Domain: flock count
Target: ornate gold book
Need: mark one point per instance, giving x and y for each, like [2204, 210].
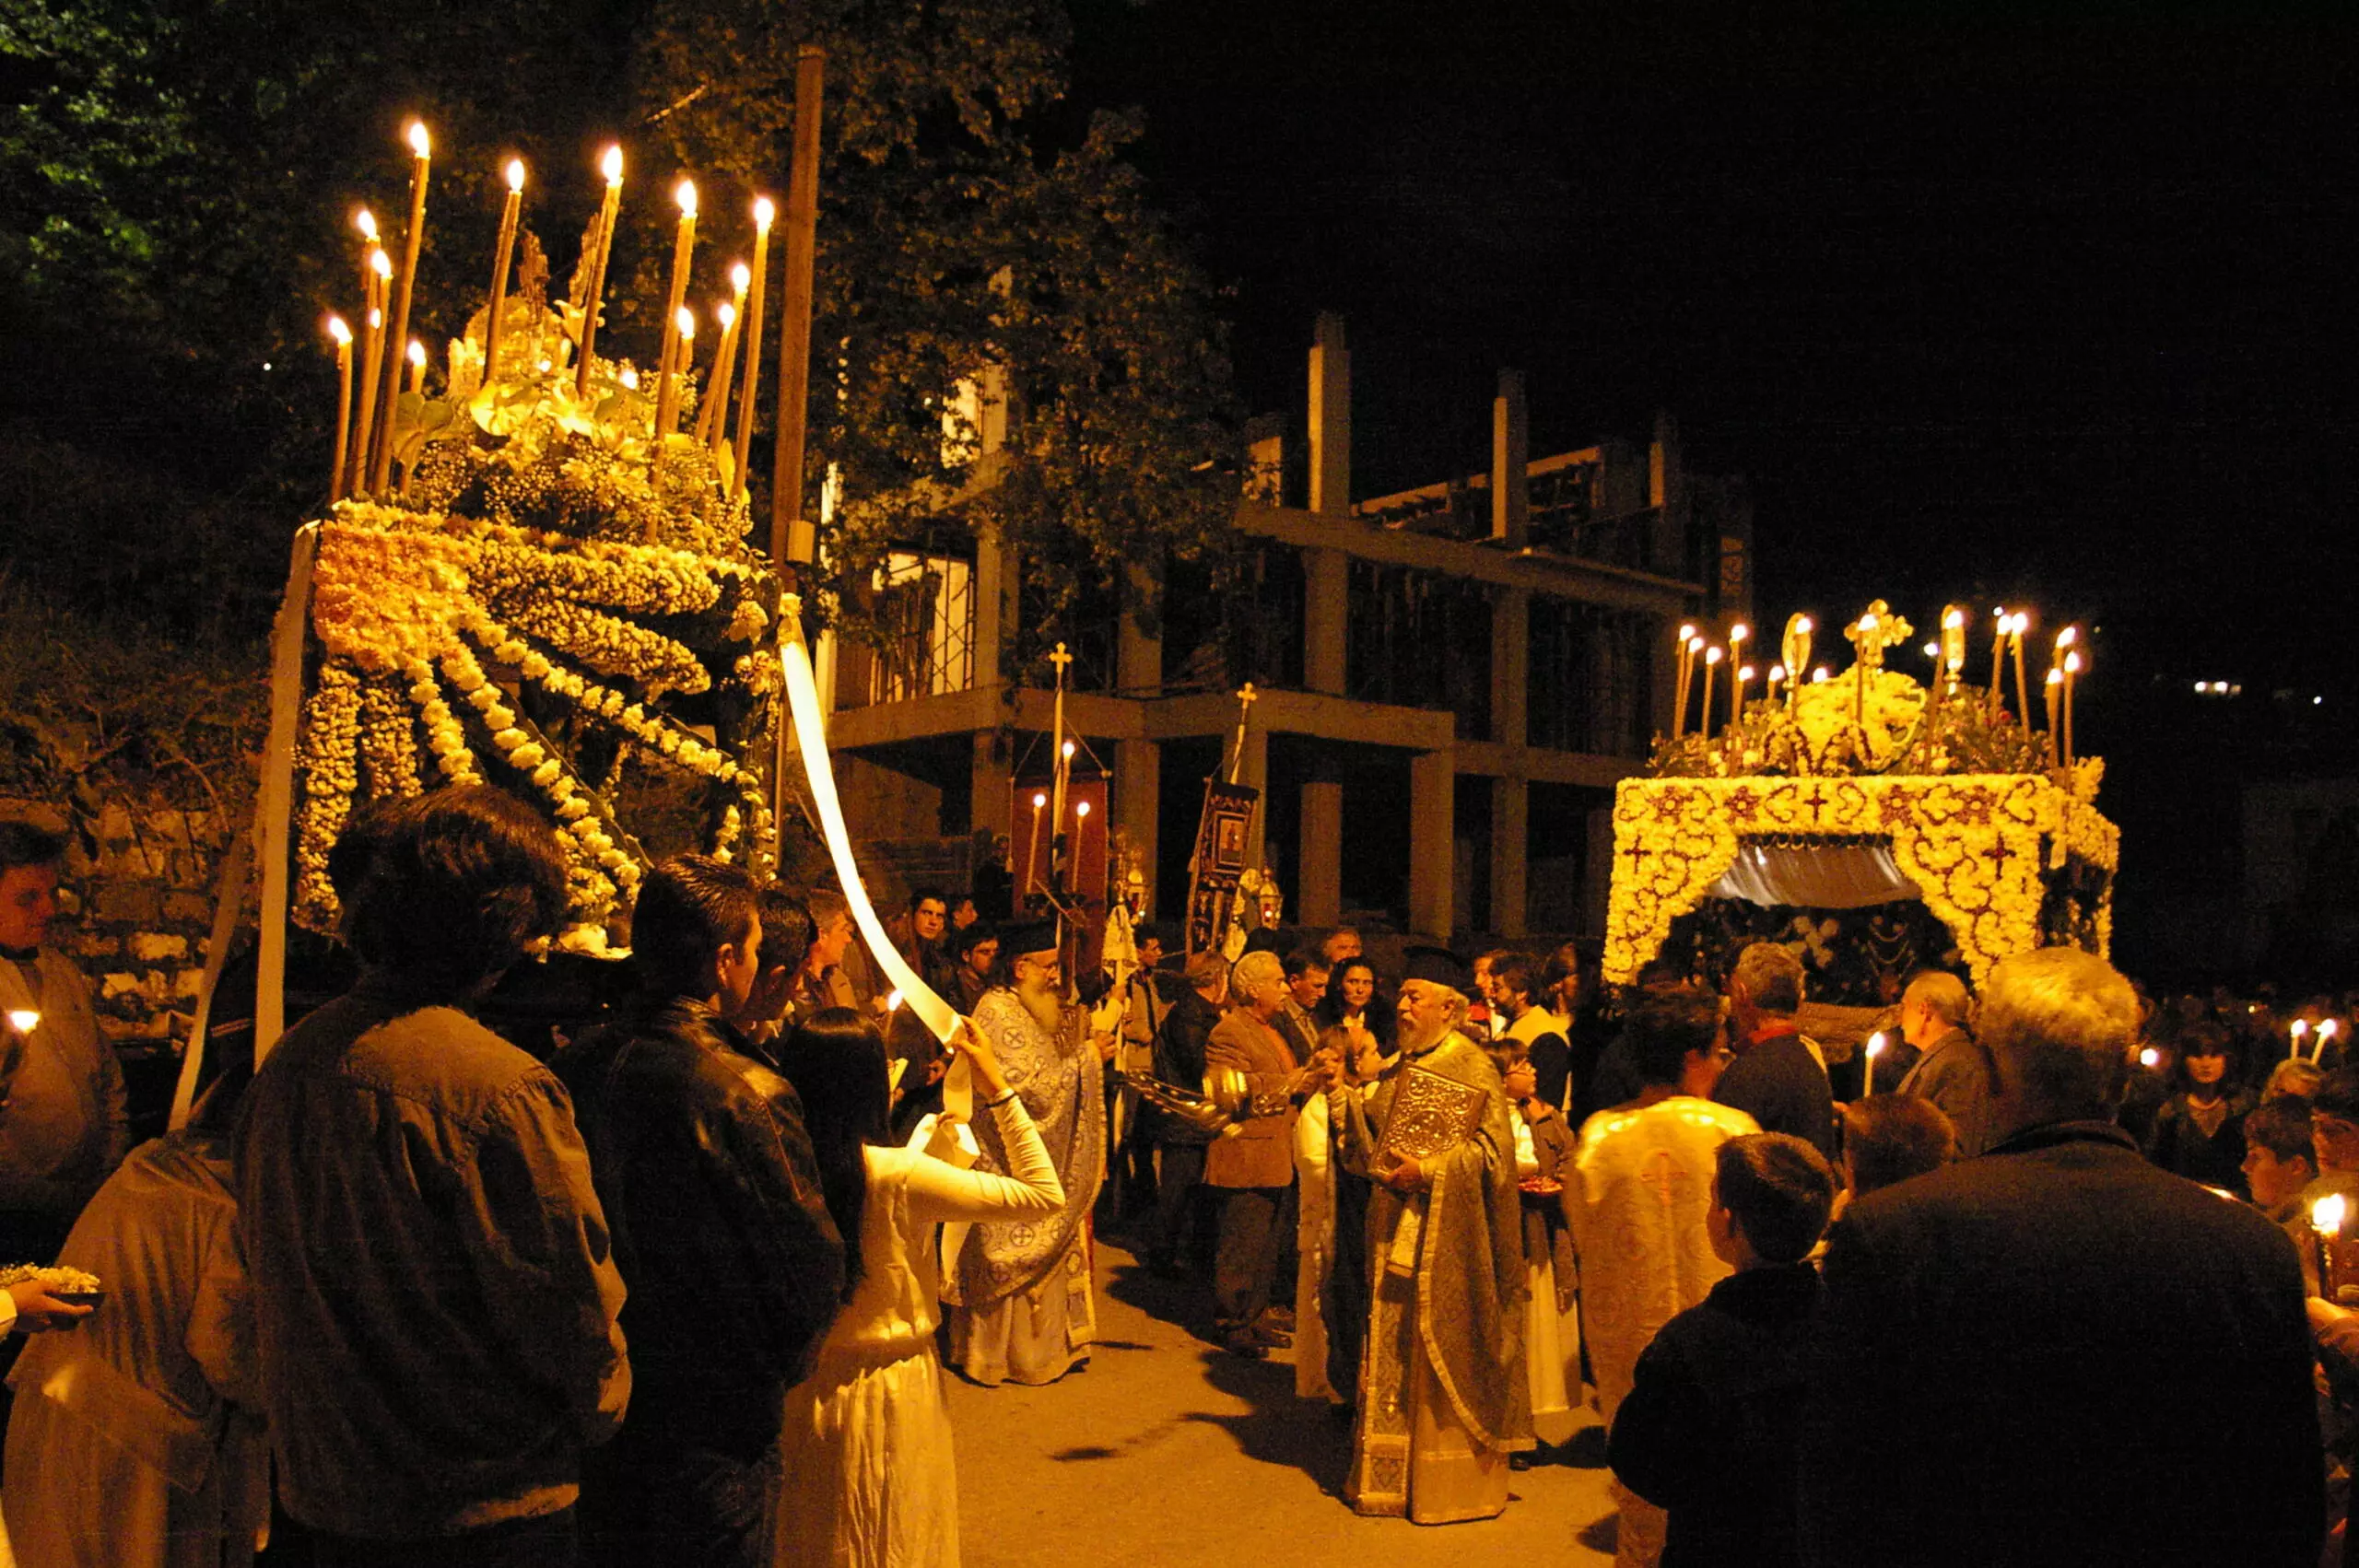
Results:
[1430, 1116]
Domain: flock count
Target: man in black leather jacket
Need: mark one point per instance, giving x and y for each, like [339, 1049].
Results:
[733, 1269]
[1180, 1061]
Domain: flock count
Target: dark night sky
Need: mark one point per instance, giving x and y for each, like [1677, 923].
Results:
[1990, 306]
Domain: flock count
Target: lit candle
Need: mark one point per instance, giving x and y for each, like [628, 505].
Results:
[764, 215]
[2072, 674]
[682, 243]
[2055, 704]
[1953, 645]
[1793, 652]
[2023, 686]
[2327, 1031]
[678, 346]
[23, 1019]
[1997, 655]
[502, 254]
[343, 335]
[416, 367]
[1736, 694]
[1868, 624]
[1679, 686]
[373, 355]
[712, 421]
[1868, 1054]
[1032, 861]
[1821, 675]
[397, 320]
[2297, 1034]
[611, 165]
[1737, 634]
[1712, 657]
[1072, 857]
[2150, 1059]
[2325, 1226]
[1777, 674]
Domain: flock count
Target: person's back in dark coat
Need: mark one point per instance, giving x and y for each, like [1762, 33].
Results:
[1778, 1083]
[2056, 1352]
[1708, 1431]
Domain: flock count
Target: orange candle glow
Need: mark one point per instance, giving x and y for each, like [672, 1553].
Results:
[502, 254]
[421, 148]
[683, 245]
[765, 214]
[611, 165]
[343, 335]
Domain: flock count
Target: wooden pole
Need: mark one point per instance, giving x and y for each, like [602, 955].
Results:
[791, 540]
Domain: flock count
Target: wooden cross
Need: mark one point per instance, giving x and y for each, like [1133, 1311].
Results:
[1061, 659]
[1245, 696]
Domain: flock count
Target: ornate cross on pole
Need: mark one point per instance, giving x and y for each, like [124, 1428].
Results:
[1870, 634]
[1246, 697]
[1057, 769]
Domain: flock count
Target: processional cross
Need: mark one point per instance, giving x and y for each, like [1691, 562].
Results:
[1246, 697]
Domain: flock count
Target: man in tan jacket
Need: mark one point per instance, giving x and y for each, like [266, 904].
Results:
[1249, 1068]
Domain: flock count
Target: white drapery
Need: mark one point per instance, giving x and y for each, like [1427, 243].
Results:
[1814, 876]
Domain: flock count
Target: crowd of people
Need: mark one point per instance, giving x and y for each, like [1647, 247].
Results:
[2038, 1286]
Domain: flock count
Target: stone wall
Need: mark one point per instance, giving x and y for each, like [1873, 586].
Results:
[136, 901]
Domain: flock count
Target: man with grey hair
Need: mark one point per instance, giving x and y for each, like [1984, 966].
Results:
[2084, 1358]
[1953, 1069]
[1779, 1078]
[1251, 1070]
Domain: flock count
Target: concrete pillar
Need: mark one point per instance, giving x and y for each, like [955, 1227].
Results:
[1138, 657]
[1511, 855]
[990, 781]
[1138, 804]
[1667, 492]
[1330, 419]
[1510, 458]
[1433, 810]
[1253, 772]
[1326, 619]
[1511, 664]
[995, 605]
[1320, 900]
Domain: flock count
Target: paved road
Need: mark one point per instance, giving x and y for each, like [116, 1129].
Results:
[1165, 1451]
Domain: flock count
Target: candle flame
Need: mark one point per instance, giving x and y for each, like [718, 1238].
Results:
[23, 1019]
[420, 142]
[2325, 1215]
[417, 353]
[684, 193]
[611, 165]
[1876, 1043]
[1777, 671]
[726, 314]
[2066, 638]
[2055, 676]
[376, 319]
[1954, 618]
[381, 263]
[1821, 675]
[1933, 650]
[764, 213]
[1713, 655]
[1081, 808]
[685, 320]
[1744, 673]
[516, 176]
[892, 1001]
[2328, 1030]
[1868, 623]
[338, 331]
[1039, 800]
[2149, 1058]
[631, 380]
[740, 278]
[2072, 663]
[1687, 634]
[365, 221]
[1739, 632]
[2301, 1027]
[1803, 625]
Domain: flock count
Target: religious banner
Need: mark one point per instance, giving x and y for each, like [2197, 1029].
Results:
[1222, 834]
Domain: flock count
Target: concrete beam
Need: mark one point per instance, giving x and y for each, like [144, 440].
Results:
[1433, 828]
[1541, 571]
[1539, 764]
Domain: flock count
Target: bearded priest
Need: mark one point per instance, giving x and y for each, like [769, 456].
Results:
[1023, 1307]
[1443, 1398]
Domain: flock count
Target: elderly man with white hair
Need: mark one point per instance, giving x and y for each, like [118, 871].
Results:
[1250, 1069]
[2056, 1352]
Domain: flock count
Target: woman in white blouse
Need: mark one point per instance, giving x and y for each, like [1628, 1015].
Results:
[867, 1475]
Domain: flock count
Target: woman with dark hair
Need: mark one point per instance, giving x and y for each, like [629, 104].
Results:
[867, 1475]
[2200, 1131]
[1355, 998]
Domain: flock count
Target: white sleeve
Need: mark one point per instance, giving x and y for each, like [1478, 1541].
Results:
[940, 1191]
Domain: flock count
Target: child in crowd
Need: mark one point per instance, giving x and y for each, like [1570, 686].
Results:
[1709, 1429]
[1889, 1138]
[2279, 1159]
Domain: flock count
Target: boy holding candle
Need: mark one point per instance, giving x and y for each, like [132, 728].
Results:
[1708, 1429]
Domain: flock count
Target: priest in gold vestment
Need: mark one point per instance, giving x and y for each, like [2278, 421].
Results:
[1443, 1397]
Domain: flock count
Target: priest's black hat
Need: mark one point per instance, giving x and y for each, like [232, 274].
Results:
[1438, 965]
[1027, 936]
